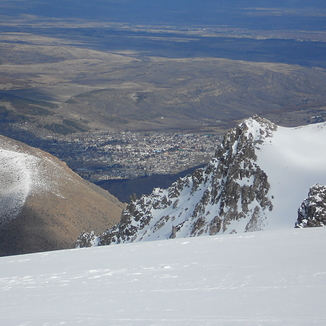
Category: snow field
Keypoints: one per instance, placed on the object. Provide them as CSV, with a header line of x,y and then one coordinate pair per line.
x,y
294,160
260,278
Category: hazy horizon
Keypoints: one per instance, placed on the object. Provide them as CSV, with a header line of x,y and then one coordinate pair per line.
x,y
237,13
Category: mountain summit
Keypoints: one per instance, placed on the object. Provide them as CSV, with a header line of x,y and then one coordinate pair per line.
x,y
256,181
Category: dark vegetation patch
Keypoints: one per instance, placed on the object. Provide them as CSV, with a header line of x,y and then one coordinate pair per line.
x,y
94,92
9,116
28,107
59,128
71,101
35,110
66,127
74,124
18,101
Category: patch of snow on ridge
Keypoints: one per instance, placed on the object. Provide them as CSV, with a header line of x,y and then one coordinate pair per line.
x,y
23,174
17,171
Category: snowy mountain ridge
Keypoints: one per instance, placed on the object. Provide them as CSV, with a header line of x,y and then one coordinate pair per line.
x,y
257,180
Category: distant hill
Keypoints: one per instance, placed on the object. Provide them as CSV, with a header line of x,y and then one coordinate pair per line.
x,y
43,204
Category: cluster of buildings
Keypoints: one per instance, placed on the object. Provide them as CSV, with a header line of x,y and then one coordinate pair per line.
x,y
103,155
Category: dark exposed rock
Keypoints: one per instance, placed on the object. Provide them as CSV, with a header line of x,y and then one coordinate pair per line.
x,y
86,239
174,232
231,188
312,212
215,225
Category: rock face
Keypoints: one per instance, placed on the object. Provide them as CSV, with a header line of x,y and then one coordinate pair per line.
x,y
312,212
231,194
44,205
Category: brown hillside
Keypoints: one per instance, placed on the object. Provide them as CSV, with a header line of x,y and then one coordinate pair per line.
x,y
58,207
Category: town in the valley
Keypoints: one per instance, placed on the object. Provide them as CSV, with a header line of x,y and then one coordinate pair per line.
x,y
103,155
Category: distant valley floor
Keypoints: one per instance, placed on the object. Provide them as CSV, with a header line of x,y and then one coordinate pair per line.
x,y
63,81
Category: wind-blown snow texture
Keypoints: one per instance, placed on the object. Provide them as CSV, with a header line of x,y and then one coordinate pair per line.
x,y
22,174
258,278
257,181
15,182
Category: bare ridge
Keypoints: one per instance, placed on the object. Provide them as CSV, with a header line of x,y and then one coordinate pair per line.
x,y
45,205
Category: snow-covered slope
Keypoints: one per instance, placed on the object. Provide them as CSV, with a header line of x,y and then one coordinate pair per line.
x,y
43,204
257,181
294,160
18,172
268,278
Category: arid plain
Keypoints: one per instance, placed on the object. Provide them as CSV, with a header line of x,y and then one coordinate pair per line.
x,y
64,76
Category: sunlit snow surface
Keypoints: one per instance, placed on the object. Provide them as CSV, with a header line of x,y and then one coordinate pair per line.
x,y
294,160
259,278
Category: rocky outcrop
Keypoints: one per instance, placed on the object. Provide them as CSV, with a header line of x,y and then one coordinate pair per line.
x,y
312,212
231,194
